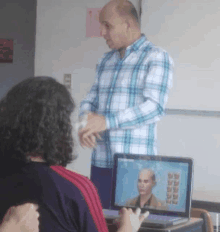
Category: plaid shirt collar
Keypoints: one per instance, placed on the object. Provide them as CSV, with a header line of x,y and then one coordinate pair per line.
x,y
136,45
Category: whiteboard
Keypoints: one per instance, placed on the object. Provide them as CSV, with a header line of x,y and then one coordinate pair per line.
x,y
190,31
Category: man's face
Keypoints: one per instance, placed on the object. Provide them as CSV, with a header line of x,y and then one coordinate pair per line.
x,y
113,28
145,183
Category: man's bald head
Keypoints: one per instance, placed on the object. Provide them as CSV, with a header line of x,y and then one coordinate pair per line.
x,y
151,173
119,27
124,8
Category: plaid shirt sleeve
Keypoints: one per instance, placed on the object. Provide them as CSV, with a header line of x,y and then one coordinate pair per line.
x,y
91,102
157,83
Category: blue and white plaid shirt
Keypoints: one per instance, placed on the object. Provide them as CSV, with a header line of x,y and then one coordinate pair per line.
x,y
131,93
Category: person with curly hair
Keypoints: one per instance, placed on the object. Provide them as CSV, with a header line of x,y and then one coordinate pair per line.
x,y
36,145
35,122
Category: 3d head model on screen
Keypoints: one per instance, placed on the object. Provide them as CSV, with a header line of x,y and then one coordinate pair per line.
x,y
146,182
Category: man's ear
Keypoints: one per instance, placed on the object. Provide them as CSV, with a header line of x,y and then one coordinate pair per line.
x,y
127,23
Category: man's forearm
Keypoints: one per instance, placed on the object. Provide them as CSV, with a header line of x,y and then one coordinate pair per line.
x,y
132,118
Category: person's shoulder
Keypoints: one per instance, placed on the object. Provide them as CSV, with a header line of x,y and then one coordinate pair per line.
x,y
77,182
132,201
89,201
156,54
71,175
153,49
154,198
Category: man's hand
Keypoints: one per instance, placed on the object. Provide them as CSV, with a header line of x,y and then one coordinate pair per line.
x,y
95,124
89,141
21,218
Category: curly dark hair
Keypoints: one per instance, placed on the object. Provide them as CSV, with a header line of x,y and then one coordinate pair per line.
x,y
35,120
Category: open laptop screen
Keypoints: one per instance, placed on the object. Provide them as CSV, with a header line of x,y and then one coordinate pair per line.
x,y
166,180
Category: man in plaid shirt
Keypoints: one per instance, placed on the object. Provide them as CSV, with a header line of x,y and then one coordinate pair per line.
x,y
128,97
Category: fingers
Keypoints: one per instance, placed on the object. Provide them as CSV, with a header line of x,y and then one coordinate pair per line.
x,y
25,211
86,133
19,213
125,211
96,123
138,211
125,218
21,218
143,216
28,217
8,214
86,129
90,141
146,214
97,135
121,211
87,141
32,208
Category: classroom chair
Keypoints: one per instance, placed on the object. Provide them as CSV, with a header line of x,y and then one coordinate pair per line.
x,y
205,215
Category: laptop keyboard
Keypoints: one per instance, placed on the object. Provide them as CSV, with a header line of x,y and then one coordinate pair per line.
x,y
115,214
162,218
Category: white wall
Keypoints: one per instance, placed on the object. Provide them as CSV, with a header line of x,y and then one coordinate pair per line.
x,y
62,47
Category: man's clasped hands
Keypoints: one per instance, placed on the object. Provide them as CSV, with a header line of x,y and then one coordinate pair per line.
x,y
88,135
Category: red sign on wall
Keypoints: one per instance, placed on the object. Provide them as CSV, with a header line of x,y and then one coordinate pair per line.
x,y
6,50
92,22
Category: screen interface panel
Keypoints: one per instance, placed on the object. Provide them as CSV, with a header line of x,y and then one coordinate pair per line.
x,y
165,182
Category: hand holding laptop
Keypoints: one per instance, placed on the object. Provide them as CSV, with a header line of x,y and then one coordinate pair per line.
x,y
130,221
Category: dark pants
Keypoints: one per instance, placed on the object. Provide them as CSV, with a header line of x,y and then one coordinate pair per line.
x,y
102,179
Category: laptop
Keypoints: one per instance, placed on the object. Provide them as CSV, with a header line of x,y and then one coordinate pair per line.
x,y
169,187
